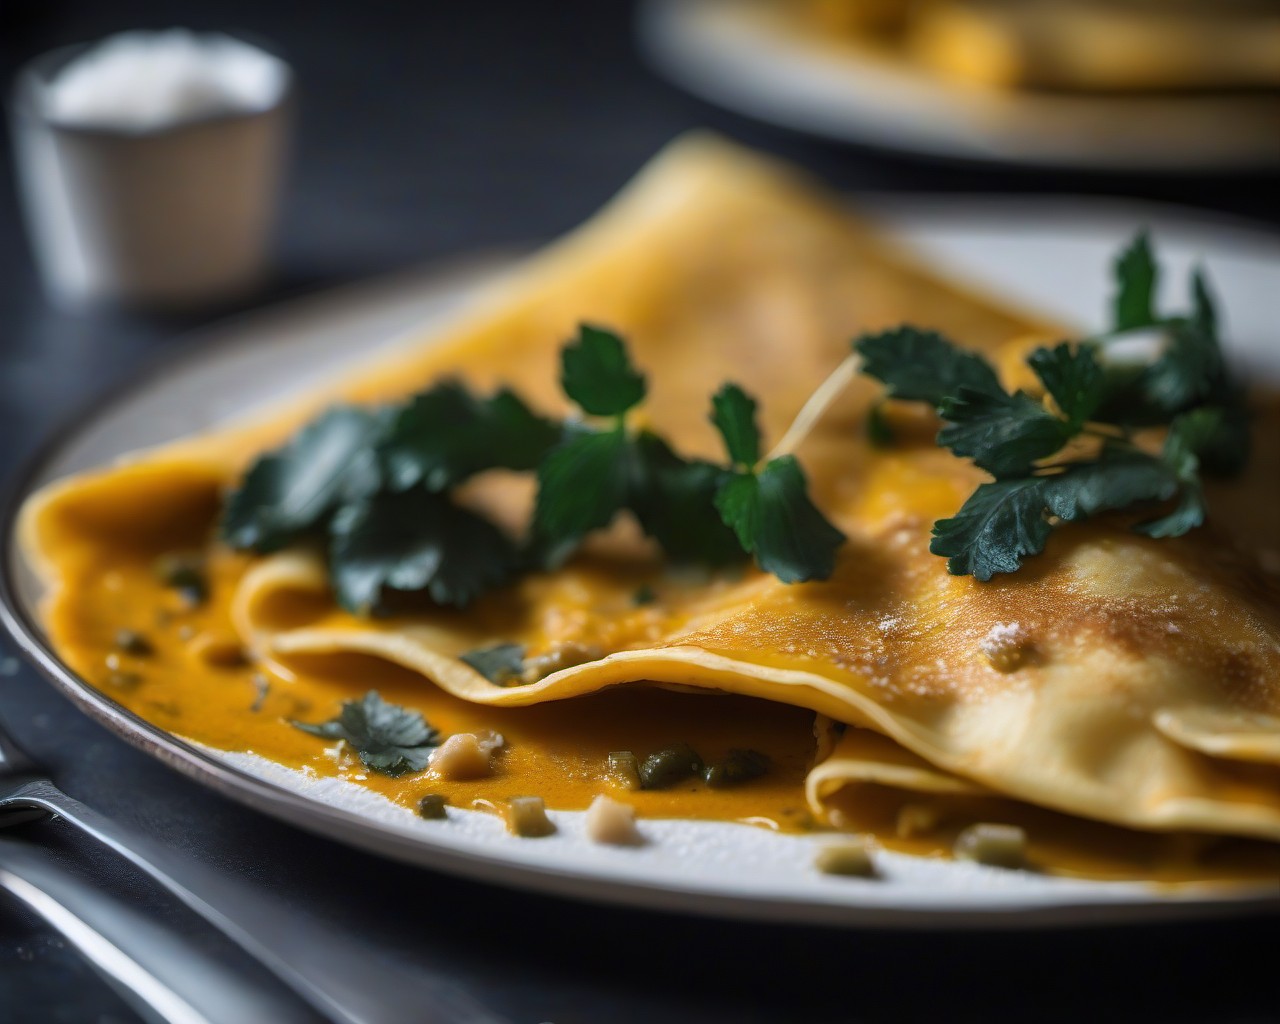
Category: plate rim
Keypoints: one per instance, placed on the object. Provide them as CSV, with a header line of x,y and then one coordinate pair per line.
x,y
675,45
1067,909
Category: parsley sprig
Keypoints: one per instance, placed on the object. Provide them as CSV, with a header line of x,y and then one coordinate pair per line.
x,y
1031,444
375,488
387,737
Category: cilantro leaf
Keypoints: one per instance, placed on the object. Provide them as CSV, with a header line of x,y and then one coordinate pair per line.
x,y
1136,275
582,484
1003,522
388,738
290,490
414,542
1073,377
444,435
674,501
597,373
923,366
498,663
774,519
1004,434
733,412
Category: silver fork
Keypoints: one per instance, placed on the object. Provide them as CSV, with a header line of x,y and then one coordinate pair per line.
x,y
340,978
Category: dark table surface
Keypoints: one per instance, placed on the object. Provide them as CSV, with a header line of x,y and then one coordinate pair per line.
x,y
432,129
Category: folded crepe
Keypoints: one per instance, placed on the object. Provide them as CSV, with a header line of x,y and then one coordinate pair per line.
x,y
1115,677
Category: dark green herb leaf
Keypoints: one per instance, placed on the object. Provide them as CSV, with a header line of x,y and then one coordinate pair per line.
x,y
1204,311
499,663
879,433
415,542
290,490
582,485
774,519
1074,377
923,366
996,528
1004,434
734,415
445,435
1188,370
674,501
1003,522
388,738
598,375
1190,435
1136,275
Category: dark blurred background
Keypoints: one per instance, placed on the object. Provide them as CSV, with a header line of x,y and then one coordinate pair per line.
x,y
424,130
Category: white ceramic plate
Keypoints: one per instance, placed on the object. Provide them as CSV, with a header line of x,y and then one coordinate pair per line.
x,y
740,54
1048,254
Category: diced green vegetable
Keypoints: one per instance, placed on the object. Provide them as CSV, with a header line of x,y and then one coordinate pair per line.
x,y
527,817
739,766
185,573
130,641
1001,846
624,770
431,806
852,857
664,768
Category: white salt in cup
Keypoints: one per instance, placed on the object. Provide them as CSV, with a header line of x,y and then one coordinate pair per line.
x,y
148,207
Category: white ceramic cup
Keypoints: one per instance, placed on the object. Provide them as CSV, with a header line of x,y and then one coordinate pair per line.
x,y
175,216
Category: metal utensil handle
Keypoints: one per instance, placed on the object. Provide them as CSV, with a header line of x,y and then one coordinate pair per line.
x,y
155,970
340,978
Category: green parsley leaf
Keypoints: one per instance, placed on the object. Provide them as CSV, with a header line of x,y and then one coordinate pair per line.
x,y
597,373
1188,370
414,542
923,366
774,519
1004,434
291,490
1003,522
879,432
446,434
674,501
388,738
999,525
1073,377
1136,274
498,663
582,484
1204,311
733,412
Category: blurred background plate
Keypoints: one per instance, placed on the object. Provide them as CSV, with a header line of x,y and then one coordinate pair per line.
x,y
756,57
1045,253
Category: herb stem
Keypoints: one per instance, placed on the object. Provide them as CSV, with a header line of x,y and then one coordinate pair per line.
x,y
812,411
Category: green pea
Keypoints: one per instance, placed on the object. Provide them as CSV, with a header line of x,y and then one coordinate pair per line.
x,y
739,766
666,767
